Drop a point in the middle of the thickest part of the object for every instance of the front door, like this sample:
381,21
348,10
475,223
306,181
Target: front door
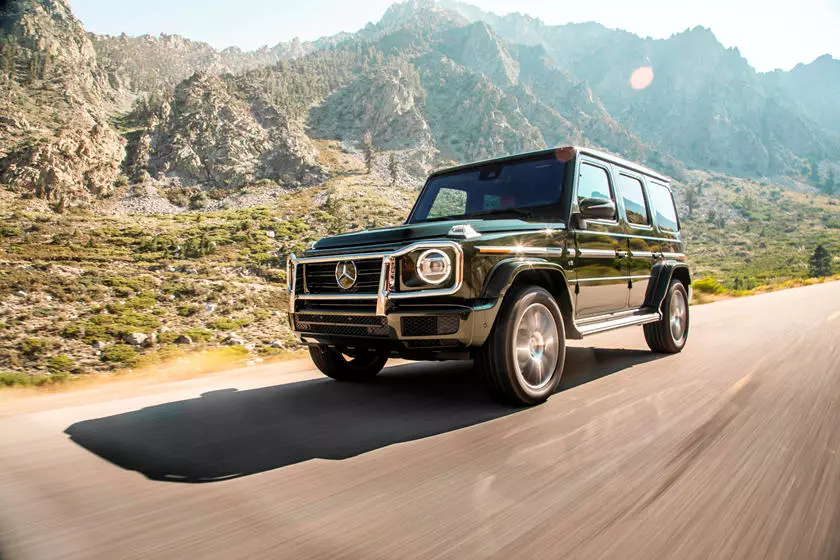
600,259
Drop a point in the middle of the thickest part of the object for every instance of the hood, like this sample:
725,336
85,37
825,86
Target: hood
408,233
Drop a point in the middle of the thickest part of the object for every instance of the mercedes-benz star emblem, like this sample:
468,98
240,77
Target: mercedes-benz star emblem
345,274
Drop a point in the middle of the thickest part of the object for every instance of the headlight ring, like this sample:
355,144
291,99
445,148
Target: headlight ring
434,267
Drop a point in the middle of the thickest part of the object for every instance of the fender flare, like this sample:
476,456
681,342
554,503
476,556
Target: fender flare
504,273
661,276
502,276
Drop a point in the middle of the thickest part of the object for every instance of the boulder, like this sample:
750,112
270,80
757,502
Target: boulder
234,339
136,339
183,339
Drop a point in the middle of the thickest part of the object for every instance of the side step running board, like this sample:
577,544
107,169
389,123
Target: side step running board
611,324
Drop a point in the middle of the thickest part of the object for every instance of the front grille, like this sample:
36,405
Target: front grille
340,319
346,325
320,277
430,326
362,307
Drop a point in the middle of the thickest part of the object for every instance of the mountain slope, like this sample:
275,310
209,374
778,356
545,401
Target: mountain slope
148,63
706,105
445,81
55,140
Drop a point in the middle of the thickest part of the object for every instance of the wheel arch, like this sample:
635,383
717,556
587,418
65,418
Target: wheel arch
538,272
663,274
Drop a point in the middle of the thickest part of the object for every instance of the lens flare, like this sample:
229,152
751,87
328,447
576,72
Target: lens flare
641,77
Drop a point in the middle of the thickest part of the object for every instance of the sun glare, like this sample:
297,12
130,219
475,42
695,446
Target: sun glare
641,77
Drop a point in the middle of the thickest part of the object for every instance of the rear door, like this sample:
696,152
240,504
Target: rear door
665,221
601,286
639,227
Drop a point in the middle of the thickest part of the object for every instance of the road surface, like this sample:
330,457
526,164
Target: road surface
728,450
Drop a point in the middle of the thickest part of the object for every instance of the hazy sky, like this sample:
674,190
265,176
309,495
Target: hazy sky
769,33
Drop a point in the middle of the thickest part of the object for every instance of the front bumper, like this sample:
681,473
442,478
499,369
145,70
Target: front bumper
405,329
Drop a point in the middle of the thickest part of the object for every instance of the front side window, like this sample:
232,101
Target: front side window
633,195
594,182
663,207
518,188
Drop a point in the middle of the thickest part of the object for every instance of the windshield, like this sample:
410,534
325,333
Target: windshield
516,188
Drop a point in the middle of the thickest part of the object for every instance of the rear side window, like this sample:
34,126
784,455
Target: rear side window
594,182
635,205
663,207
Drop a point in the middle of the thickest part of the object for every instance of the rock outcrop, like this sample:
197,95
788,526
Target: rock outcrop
55,139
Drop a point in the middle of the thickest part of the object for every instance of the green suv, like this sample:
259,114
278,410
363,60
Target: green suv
500,261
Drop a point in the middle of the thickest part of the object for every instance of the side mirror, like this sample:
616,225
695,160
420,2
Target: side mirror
597,208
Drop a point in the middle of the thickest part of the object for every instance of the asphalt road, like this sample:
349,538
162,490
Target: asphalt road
728,450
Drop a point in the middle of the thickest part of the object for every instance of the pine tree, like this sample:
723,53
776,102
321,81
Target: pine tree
393,168
814,176
820,262
692,196
830,186
367,146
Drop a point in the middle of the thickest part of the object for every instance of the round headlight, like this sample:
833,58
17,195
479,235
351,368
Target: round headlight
434,266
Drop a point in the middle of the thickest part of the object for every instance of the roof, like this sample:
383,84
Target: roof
575,149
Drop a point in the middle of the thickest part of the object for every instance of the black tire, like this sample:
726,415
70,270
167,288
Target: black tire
333,363
663,336
510,377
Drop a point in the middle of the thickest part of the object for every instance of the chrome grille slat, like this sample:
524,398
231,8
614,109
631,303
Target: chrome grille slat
320,277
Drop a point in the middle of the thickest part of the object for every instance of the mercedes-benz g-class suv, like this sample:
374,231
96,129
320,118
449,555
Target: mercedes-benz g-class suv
500,261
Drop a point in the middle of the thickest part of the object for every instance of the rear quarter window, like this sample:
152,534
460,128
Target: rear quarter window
663,207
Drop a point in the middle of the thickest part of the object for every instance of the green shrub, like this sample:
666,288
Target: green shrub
167,337
140,302
199,335
120,354
52,379
61,363
133,284
233,352
223,324
199,201
10,232
18,379
32,347
177,197
187,310
708,285
10,379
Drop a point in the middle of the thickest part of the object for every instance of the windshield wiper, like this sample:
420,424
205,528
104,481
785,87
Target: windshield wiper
516,211
478,215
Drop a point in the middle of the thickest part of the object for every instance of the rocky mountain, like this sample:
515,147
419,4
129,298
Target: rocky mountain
55,138
148,63
83,114
706,105
816,86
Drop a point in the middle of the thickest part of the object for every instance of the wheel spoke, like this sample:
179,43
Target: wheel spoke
535,346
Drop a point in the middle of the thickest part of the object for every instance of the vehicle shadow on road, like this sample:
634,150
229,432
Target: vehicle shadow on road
229,433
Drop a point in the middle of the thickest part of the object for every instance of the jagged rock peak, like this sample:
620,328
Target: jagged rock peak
424,12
